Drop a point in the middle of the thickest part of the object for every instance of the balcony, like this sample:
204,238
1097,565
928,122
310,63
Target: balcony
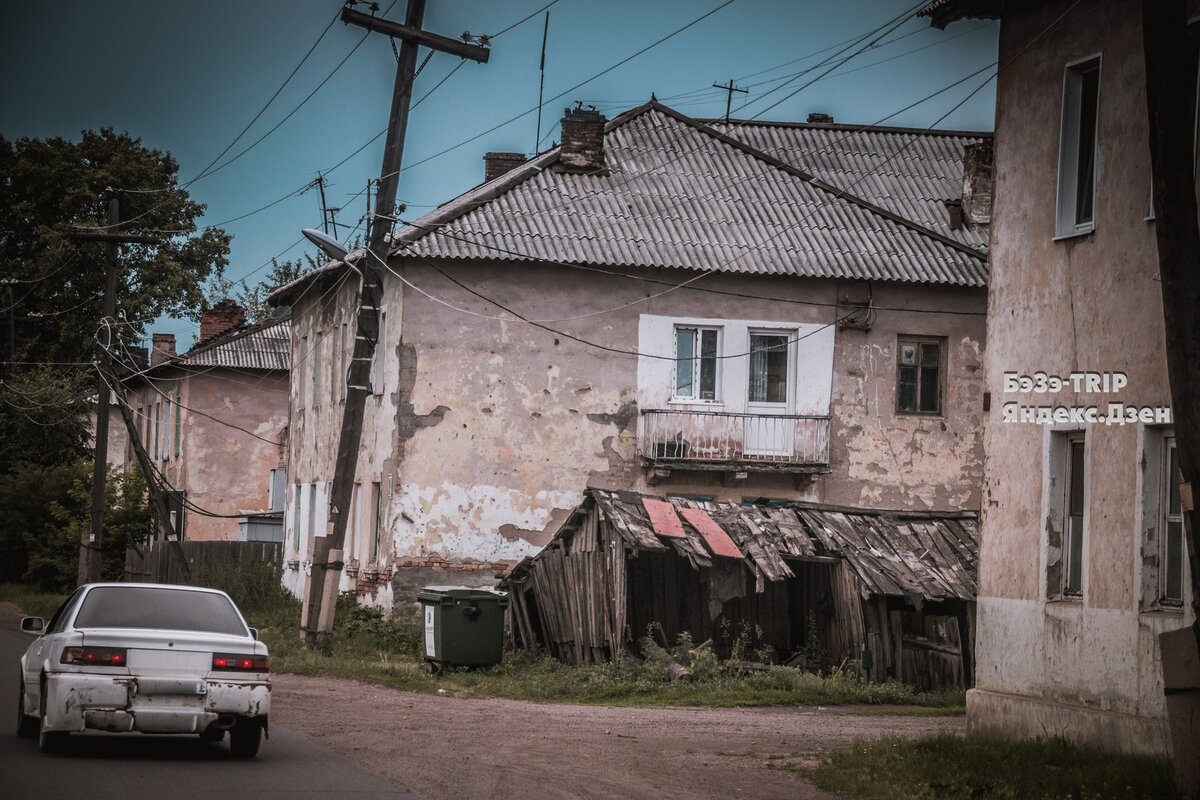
733,443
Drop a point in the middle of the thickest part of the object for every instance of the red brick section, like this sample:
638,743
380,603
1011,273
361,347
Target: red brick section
162,348
221,318
583,140
368,581
496,164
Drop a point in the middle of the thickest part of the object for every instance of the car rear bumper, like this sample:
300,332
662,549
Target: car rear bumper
160,704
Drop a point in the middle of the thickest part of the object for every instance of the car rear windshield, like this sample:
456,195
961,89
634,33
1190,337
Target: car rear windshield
170,609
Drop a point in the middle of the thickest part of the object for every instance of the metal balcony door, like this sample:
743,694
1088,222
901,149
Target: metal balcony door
765,432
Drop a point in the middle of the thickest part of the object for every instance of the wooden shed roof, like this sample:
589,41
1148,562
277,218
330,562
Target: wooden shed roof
928,555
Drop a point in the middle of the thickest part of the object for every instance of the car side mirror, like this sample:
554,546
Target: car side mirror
34,625
254,632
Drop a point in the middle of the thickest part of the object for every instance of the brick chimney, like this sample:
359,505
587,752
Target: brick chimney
224,316
583,140
496,164
162,347
821,118
977,183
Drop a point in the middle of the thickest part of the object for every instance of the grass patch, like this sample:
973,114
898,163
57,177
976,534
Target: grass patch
953,768
374,650
369,648
31,601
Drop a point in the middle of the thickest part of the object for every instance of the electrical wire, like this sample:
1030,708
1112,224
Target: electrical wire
523,20
210,170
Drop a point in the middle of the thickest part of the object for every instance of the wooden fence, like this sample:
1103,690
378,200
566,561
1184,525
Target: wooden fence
157,564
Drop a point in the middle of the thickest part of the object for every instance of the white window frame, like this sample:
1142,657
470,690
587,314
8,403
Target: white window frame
376,520
790,335
178,437
276,489
696,362
298,502
1056,511
1165,516
1066,204
377,357
318,347
301,369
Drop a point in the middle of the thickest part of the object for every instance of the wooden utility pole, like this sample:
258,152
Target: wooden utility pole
328,215
93,538
322,584
729,90
157,502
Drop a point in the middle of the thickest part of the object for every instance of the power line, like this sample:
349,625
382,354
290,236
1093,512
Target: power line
523,20
209,170
607,348
562,94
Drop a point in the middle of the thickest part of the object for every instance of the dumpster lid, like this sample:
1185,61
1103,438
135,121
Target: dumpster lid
461,592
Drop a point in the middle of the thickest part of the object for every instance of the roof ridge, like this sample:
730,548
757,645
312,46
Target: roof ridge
497,187
850,126
226,337
813,180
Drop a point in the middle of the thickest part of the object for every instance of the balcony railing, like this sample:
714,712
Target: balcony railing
722,439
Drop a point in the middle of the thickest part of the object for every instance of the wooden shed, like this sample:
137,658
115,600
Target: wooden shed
892,589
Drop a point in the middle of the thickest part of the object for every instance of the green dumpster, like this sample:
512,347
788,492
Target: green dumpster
464,627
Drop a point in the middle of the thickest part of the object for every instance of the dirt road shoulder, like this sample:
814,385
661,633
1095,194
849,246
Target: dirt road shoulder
446,748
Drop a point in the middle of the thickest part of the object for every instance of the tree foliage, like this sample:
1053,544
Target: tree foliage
50,188
45,416
47,509
253,297
51,287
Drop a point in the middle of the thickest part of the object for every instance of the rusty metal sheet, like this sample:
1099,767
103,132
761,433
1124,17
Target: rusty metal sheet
714,535
663,518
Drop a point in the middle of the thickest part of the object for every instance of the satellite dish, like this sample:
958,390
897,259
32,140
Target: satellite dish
329,245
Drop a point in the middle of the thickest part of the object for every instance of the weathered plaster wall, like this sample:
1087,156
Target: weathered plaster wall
1086,303
222,469
489,428
882,458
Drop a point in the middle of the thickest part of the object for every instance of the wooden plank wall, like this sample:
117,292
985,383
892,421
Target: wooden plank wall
159,565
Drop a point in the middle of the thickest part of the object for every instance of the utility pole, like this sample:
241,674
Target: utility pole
321,587
157,502
12,328
537,139
729,90
93,539
328,215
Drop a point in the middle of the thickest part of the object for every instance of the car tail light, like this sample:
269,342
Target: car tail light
232,662
96,656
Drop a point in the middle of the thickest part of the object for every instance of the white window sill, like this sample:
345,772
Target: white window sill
1068,600
683,401
1162,611
1082,231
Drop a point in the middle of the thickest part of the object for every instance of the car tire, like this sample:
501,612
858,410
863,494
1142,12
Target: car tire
212,734
27,726
52,742
244,738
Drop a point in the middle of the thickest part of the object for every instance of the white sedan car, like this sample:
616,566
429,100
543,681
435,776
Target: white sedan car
145,657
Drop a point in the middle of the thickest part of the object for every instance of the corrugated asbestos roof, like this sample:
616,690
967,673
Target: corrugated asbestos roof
930,555
262,346
911,173
679,194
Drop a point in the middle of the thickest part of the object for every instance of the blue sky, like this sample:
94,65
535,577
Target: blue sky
186,76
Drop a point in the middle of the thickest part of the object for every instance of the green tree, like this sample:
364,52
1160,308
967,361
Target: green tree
45,416
46,510
50,188
253,297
